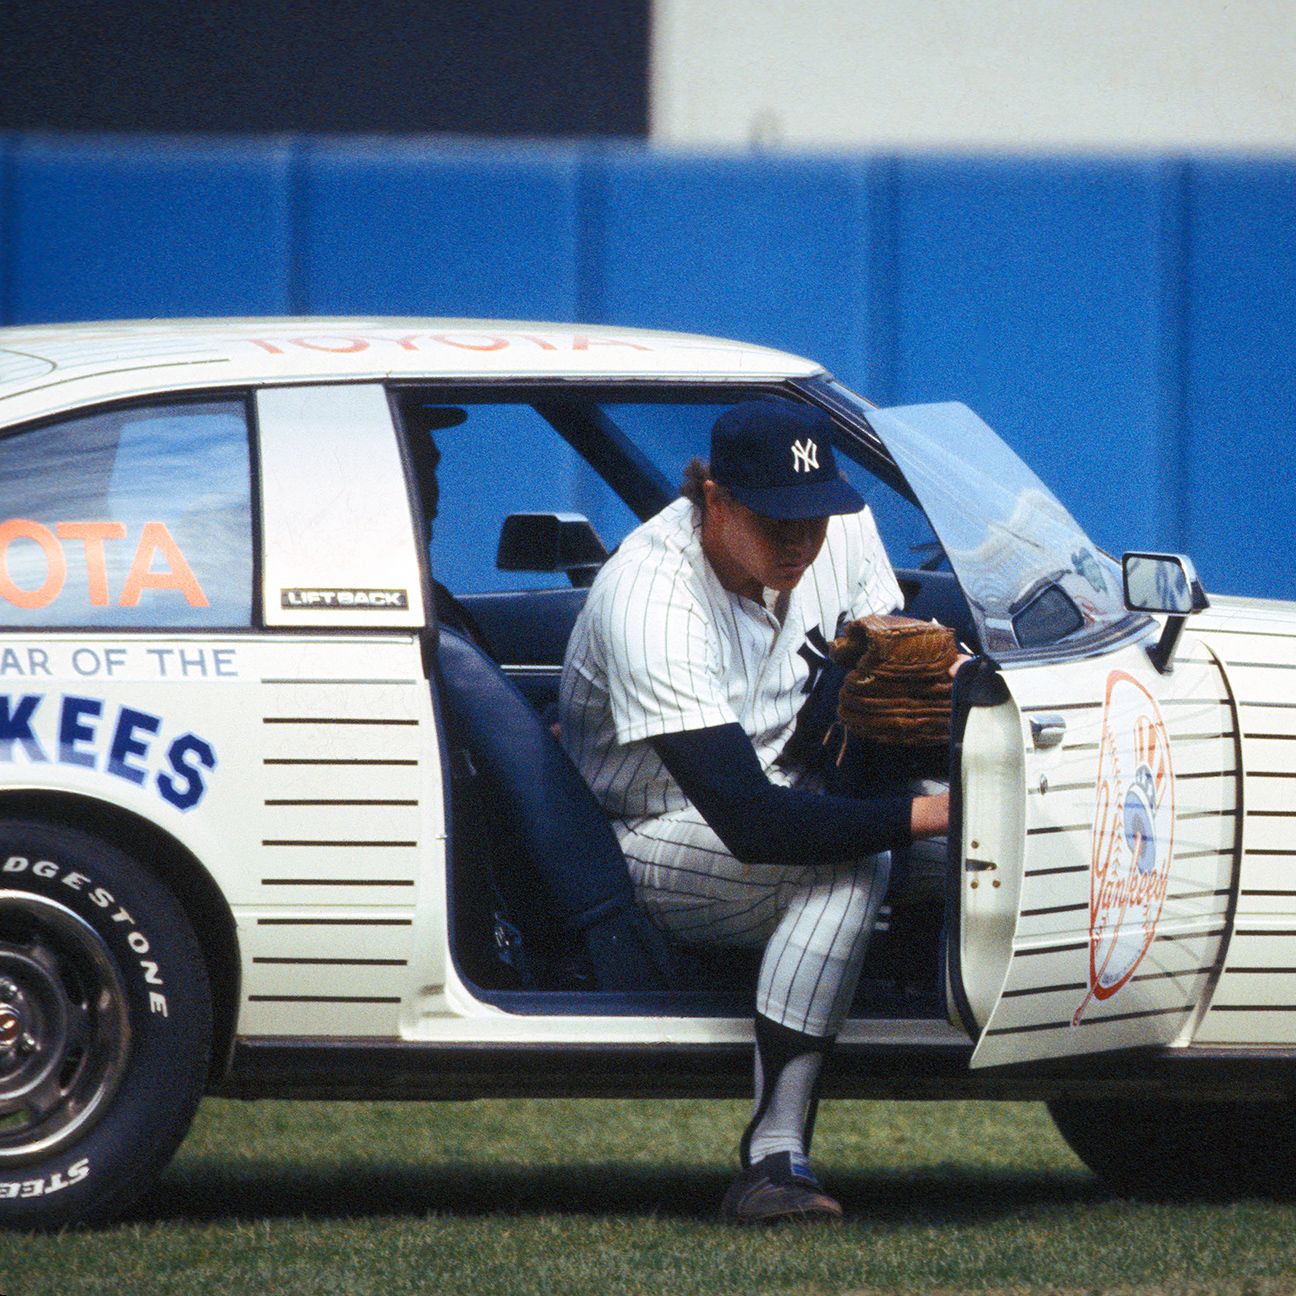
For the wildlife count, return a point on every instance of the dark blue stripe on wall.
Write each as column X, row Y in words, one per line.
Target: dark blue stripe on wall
column 591, row 241
column 1175, row 431
column 8, row 143
column 882, row 307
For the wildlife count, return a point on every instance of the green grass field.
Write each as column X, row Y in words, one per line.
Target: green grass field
column 569, row 1198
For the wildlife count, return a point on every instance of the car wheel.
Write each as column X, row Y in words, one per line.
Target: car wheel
column 1178, row 1149
column 105, row 1027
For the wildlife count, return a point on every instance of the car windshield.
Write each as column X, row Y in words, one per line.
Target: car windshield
column 1030, row 574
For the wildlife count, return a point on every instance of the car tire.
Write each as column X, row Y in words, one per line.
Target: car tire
column 1180, row 1149
column 105, row 1027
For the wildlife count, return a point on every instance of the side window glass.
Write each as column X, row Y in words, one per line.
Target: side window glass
column 128, row 517
column 909, row 539
column 476, row 462
column 491, row 460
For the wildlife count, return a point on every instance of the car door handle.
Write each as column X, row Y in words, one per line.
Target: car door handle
column 1047, row 730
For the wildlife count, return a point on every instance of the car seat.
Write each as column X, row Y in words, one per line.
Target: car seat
column 538, row 874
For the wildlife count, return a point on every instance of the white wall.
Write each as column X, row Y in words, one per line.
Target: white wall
column 981, row 74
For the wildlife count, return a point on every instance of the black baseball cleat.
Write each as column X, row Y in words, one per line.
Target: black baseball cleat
column 778, row 1188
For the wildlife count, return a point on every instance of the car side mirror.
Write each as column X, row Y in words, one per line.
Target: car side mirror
column 1164, row 583
column 551, row 542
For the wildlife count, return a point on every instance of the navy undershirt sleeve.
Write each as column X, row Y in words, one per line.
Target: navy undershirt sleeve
column 763, row 823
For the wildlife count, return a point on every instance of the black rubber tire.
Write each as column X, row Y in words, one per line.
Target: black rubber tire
column 1168, row 1150
column 105, row 1027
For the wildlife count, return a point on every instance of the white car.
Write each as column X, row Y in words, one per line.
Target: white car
column 281, row 814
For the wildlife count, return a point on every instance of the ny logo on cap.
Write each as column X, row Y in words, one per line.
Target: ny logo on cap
column 805, row 455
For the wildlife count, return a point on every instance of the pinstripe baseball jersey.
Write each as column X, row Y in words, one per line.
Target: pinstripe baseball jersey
column 662, row 647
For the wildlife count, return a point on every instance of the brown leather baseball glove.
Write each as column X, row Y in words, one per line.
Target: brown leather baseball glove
column 897, row 687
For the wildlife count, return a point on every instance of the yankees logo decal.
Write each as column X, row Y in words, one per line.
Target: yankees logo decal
column 1133, row 837
column 805, row 455
column 815, row 653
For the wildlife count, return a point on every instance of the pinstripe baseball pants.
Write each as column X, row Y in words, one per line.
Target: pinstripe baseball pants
column 813, row 921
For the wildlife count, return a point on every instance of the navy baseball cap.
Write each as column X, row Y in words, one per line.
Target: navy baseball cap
column 775, row 456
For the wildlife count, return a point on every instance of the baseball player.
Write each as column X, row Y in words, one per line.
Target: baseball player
column 698, row 646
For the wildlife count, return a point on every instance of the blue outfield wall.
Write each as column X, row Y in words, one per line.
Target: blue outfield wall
column 1126, row 324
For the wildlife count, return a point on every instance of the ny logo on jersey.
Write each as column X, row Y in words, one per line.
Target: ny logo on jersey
column 815, row 653
column 805, row 455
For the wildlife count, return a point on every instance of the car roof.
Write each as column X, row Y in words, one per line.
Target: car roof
column 46, row 368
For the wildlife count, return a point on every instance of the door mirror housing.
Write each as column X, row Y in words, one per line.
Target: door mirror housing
column 1162, row 583
column 551, row 542
column 1165, row 583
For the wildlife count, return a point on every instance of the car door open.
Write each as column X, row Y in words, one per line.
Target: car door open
column 1098, row 827
column 1095, row 853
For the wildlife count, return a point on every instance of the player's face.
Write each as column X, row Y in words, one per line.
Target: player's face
column 752, row 553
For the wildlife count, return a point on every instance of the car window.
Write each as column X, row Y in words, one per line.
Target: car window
column 909, row 539
column 479, row 461
column 667, row 434
column 490, row 460
column 128, row 517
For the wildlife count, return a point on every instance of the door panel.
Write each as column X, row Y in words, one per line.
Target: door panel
column 1122, row 878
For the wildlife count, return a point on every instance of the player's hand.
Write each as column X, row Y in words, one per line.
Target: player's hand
column 929, row 816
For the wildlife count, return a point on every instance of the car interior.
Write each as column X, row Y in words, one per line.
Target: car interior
column 542, row 910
